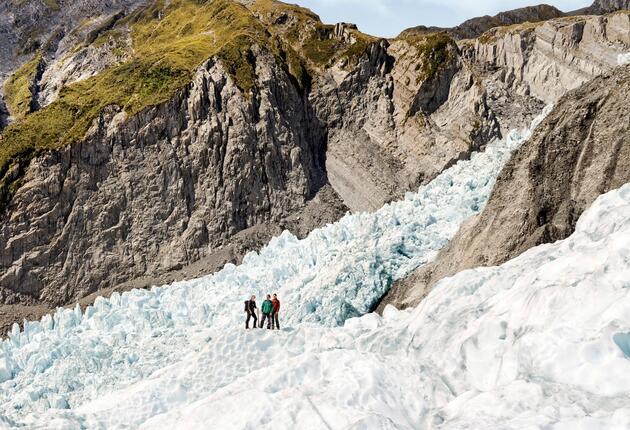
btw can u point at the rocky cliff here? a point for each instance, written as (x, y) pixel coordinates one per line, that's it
(146, 191)
(580, 151)
(392, 127)
(145, 142)
(604, 6)
(156, 191)
(475, 27)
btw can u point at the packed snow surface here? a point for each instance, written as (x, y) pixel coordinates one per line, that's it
(623, 59)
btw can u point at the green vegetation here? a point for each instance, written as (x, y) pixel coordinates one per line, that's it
(311, 40)
(434, 51)
(52, 4)
(169, 43)
(170, 40)
(17, 89)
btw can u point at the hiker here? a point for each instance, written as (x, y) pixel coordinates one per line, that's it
(266, 308)
(251, 309)
(275, 303)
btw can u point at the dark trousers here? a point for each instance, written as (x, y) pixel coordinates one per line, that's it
(266, 317)
(274, 321)
(251, 315)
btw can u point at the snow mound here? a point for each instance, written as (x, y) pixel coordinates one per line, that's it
(623, 59)
(538, 342)
(337, 272)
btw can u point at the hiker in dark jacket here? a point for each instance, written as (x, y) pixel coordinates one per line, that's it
(251, 309)
(275, 303)
(266, 309)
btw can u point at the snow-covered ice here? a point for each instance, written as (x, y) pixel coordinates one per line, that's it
(542, 341)
(337, 272)
(538, 342)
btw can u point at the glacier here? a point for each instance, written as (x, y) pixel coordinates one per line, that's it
(539, 342)
(335, 273)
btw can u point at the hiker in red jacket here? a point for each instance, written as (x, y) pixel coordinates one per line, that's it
(275, 324)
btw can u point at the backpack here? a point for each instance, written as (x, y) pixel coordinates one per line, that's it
(246, 303)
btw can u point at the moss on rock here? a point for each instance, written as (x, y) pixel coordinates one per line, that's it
(18, 88)
(433, 51)
(170, 41)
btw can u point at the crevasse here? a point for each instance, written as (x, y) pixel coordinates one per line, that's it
(337, 272)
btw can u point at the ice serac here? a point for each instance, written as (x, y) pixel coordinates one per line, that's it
(335, 273)
(325, 130)
(502, 347)
(505, 347)
(580, 151)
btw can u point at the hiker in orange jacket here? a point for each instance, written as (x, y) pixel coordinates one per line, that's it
(275, 324)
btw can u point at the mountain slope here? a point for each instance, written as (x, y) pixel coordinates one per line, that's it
(580, 151)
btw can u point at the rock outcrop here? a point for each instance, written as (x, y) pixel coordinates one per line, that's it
(475, 27)
(391, 131)
(605, 6)
(581, 150)
(27, 26)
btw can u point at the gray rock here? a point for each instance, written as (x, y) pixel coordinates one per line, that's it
(29, 25)
(475, 27)
(607, 6)
(581, 150)
(153, 193)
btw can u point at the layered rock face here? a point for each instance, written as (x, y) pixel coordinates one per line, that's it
(391, 128)
(545, 60)
(475, 27)
(160, 190)
(580, 151)
(607, 6)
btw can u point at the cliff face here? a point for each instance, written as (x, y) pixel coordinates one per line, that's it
(545, 60)
(397, 121)
(161, 189)
(30, 25)
(607, 6)
(580, 151)
(125, 160)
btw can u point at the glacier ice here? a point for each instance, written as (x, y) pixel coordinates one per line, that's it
(337, 272)
(533, 343)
